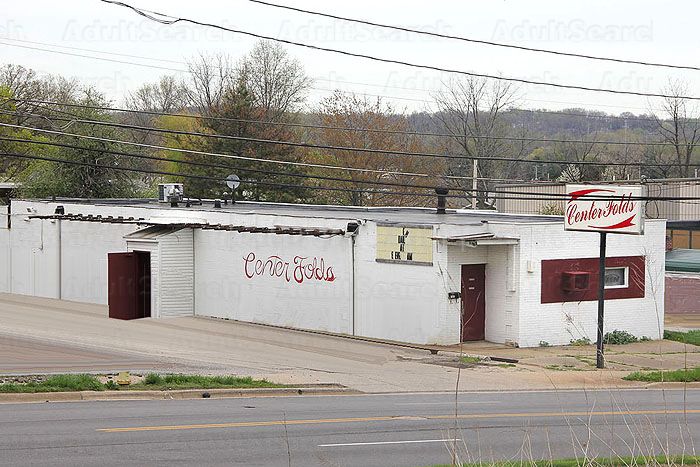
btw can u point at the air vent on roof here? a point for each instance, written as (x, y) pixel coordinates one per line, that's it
(170, 192)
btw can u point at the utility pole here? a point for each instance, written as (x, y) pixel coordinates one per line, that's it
(474, 183)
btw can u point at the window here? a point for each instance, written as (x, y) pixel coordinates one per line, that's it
(616, 278)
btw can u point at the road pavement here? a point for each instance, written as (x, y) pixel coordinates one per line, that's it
(353, 430)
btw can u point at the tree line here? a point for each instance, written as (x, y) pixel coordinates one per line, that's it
(476, 120)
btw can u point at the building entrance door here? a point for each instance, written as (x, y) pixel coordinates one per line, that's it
(473, 302)
(129, 283)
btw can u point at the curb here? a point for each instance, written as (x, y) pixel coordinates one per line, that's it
(180, 394)
(673, 385)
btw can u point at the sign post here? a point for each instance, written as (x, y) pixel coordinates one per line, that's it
(604, 209)
(600, 360)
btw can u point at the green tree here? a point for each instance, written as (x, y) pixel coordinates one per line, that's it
(94, 171)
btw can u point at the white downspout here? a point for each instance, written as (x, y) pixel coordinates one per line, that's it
(352, 283)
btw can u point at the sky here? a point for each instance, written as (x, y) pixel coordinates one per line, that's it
(638, 30)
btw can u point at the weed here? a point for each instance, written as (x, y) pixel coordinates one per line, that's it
(469, 359)
(581, 341)
(545, 344)
(587, 360)
(111, 385)
(617, 337)
(57, 383)
(152, 378)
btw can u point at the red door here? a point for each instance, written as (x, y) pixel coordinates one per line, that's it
(129, 285)
(473, 301)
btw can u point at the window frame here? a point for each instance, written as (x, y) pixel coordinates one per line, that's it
(626, 284)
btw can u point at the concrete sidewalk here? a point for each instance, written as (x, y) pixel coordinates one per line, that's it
(297, 357)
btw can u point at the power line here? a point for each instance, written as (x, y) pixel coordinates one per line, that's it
(229, 156)
(178, 70)
(174, 20)
(205, 177)
(382, 172)
(529, 194)
(220, 166)
(356, 149)
(297, 125)
(329, 127)
(427, 101)
(513, 194)
(123, 62)
(475, 41)
(328, 147)
(267, 172)
(180, 62)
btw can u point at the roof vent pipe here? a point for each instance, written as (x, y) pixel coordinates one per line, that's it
(217, 203)
(442, 199)
(60, 210)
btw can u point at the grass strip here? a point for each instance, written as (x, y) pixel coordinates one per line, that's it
(675, 376)
(152, 381)
(57, 383)
(690, 337)
(602, 461)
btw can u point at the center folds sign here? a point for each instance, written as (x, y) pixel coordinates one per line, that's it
(605, 208)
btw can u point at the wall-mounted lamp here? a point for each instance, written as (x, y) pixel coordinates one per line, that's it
(352, 229)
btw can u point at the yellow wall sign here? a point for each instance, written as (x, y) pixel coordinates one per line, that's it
(405, 244)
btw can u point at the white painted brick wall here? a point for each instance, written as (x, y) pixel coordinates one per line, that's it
(401, 302)
(4, 251)
(558, 323)
(223, 290)
(396, 301)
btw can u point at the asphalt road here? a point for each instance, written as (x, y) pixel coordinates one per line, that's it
(357, 430)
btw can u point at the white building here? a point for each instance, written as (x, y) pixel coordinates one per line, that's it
(404, 274)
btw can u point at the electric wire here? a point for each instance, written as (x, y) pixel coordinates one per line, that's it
(173, 20)
(320, 78)
(340, 128)
(210, 178)
(493, 193)
(344, 91)
(531, 196)
(475, 41)
(341, 148)
(220, 166)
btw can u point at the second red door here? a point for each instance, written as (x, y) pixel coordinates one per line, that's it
(473, 302)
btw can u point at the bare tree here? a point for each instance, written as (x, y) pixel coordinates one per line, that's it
(277, 82)
(166, 95)
(471, 110)
(682, 130)
(350, 111)
(210, 78)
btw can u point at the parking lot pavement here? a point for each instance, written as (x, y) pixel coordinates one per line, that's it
(21, 355)
(682, 322)
(76, 336)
